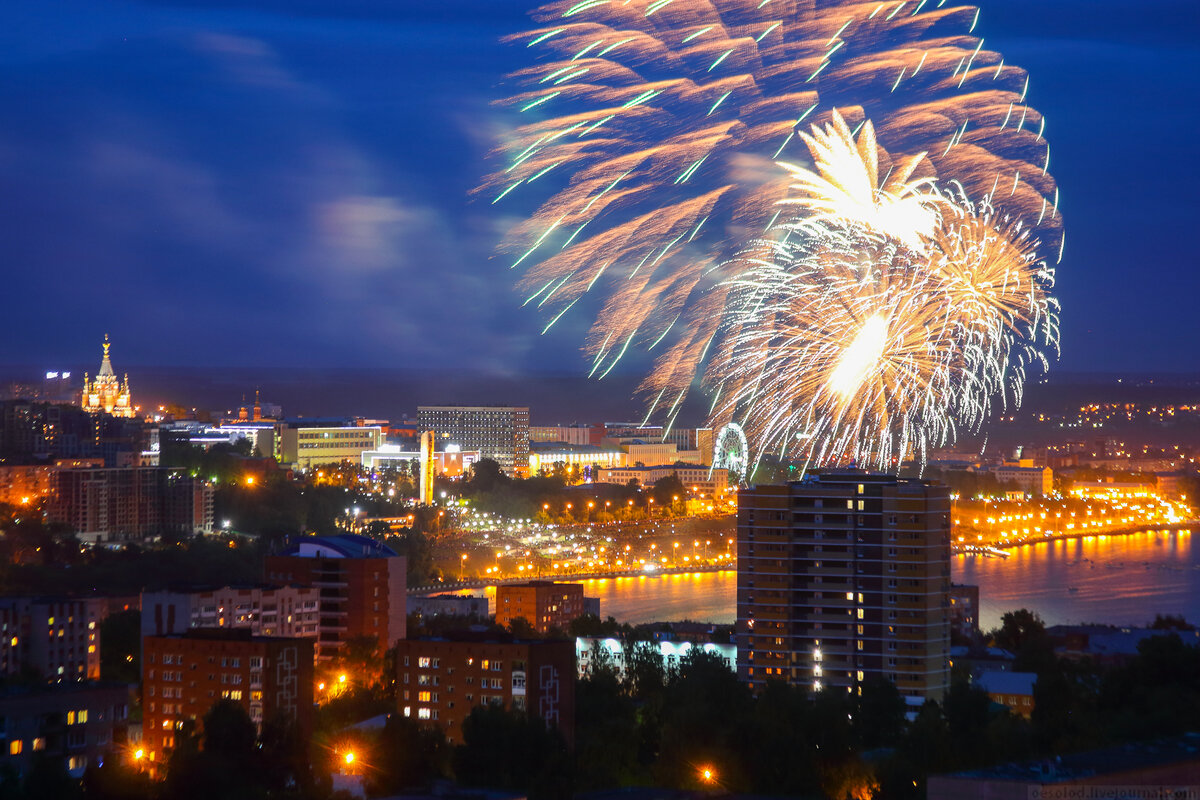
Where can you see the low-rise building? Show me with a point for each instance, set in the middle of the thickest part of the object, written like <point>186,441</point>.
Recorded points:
<point>56,637</point>
<point>1033,481</point>
<point>439,681</point>
<point>184,675</point>
<point>449,605</point>
<point>1162,768</point>
<point>545,455</point>
<point>308,445</point>
<point>694,477</point>
<point>1011,689</point>
<point>543,604</point>
<point>964,611</point>
<point>76,726</point>
<point>616,652</point>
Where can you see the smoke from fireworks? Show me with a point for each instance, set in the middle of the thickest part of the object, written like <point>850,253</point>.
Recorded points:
<point>864,307</point>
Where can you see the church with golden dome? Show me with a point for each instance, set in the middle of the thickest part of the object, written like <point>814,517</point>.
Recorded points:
<point>106,393</point>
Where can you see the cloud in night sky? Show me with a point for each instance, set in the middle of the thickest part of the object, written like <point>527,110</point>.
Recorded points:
<point>285,182</point>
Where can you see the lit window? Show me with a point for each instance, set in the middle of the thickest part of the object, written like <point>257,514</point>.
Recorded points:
<point>422,713</point>
<point>14,747</point>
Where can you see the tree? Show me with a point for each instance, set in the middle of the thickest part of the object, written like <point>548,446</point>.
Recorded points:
<point>666,489</point>
<point>879,715</point>
<point>511,750</point>
<point>1023,634</point>
<point>120,647</point>
<point>521,628</point>
<point>407,756</point>
<point>486,476</point>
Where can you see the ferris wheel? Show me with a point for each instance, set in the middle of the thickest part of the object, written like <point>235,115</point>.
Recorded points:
<point>731,452</point>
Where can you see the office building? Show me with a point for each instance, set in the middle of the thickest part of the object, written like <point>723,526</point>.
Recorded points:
<point>577,458</point>
<point>73,726</point>
<point>56,637</point>
<point>1032,480</point>
<point>580,435</point>
<point>262,610</point>
<point>500,433</point>
<point>115,505</point>
<point>362,587</point>
<point>184,675</point>
<point>694,477</point>
<point>439,681</point>
<point>312,443</point>
<point>543,604</point>
<point>845,577</point>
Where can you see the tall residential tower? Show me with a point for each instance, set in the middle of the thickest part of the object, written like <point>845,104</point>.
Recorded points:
<point>844,577</point>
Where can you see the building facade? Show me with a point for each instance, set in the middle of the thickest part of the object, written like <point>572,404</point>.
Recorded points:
<point>842,578</point>
<point>439,681</point>
<point>107,394</point>
<point>262,610</point>
<point>311,446</point>
<point>362,587</point>
<point>58,638</point>
<point>1034,481</point>
<point>500,433</point>
<point>964,611</point>
<point>74,726</point>
<point>114,505</point>
<point>694,477</point>
<point>184,675</point>
<point>543,604</point>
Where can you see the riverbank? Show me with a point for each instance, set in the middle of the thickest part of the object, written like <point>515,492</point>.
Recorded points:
<point>1012,544</point>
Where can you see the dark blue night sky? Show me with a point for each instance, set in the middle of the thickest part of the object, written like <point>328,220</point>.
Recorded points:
<point>285,183</point>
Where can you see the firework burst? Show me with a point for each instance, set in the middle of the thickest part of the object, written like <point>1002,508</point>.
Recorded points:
<point>864,307</point>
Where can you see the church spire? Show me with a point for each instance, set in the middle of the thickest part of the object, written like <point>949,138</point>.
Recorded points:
<point>106,365</point>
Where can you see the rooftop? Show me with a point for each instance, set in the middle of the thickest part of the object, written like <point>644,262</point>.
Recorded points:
<point>1111,760</point>
<point>343,545</point>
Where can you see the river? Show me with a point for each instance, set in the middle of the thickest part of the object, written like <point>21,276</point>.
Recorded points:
<point>1123,580</point>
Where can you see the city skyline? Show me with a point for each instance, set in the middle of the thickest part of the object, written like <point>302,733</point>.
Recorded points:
<point>269,172</point>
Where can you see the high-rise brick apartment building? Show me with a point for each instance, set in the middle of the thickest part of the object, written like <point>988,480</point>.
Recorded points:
<point>362,587</point>
<point>500,433</point>
<point>439,681</point>
<point>844,577</point>
<point>184,675</point>
<point>543,604</point>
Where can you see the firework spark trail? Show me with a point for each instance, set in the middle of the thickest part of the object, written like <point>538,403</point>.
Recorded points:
<point>651,131</point>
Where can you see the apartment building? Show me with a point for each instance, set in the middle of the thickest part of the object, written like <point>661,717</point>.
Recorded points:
<point>56,637</point>
<point>184,675</point>
<point>439,681</point>
<point>75,726</point>
<point>844,577</point>
<point>262,610</point>
<point>361,583</point>
<point>543,604</point>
